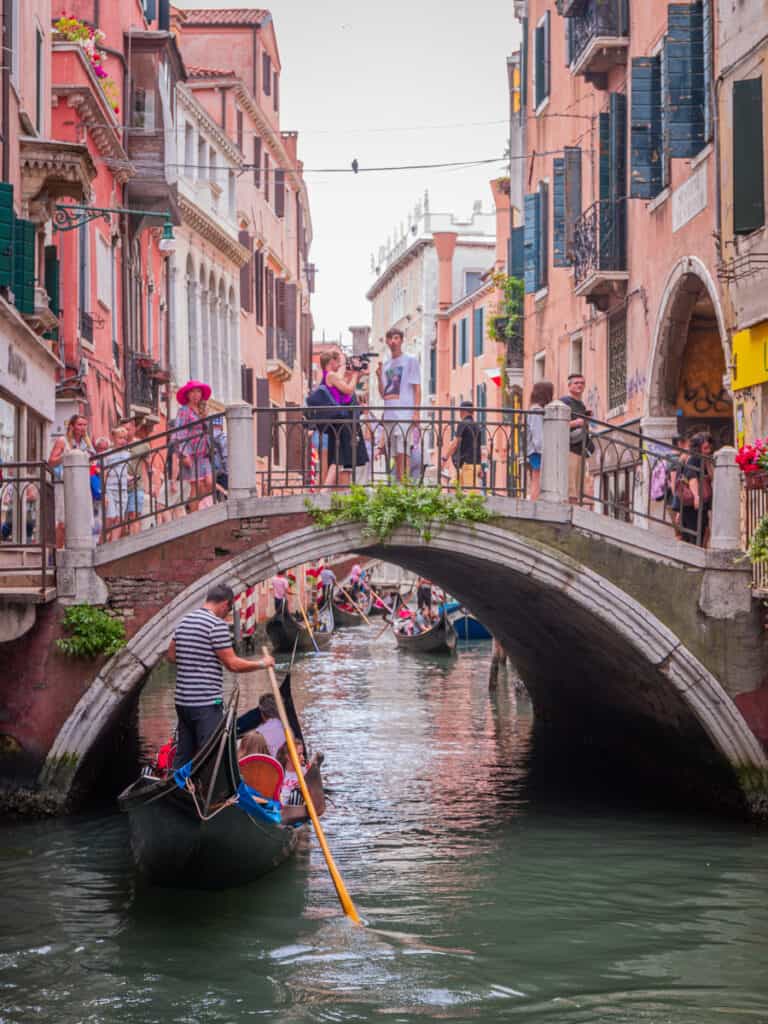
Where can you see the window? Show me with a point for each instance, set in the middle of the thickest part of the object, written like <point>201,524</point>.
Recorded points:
<point>575,356</point>
<point>541,67</point>
<point>144,109</point>
<point>15,48</point>
<point>473,279</point>
<point>539,367</point>
<point>189,150</point>
<point>39,71</point>
<point>266,178</point>
<point>280,192</point>
<point>566,204</point>
<point>463,341</point>
<point>478,330</point>
<point>239,128</point>
<point>257,162</point>
<point>246,280</point>
<point>258,271</point>
<point>683,57</point>
<point>266,74</point>
<point>103,271</point>
<point>617,360</point>
<point>202,159</point>
<point>748,159</point>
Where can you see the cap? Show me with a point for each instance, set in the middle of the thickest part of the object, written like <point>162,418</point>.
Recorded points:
<point>466,405</point>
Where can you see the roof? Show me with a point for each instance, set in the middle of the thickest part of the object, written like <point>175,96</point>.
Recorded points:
<point>194,71</point>
<point>227,16</point>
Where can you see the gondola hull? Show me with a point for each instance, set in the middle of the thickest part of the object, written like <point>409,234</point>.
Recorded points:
<point>285,632</point>
<point>440,639</point>
<point>344,617</point>
<point>469,628</point>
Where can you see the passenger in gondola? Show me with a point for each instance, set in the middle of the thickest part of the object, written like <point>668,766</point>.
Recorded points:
<point>420,622</point>
<point>252,743</point>
<point>271,727</point>
<point>354,579</point>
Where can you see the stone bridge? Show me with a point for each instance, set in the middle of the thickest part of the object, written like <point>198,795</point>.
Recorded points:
<point>646,651</point>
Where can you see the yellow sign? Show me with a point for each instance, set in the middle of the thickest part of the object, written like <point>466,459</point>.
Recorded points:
<point>750,356</point>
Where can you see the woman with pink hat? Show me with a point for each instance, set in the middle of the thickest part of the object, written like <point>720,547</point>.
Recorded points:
<point>193,441</point>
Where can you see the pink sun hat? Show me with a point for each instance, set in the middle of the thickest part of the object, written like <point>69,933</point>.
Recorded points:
<point>182,395</point>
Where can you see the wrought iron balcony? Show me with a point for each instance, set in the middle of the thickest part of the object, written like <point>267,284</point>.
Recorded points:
<point>143,381</point>
<point>86,326</point>
<point>599,251</point>
<point>598,38</point>
<point>512,341</point>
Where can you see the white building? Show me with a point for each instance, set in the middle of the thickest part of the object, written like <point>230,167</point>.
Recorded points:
<point>205,340</point>
<point>404,293</point>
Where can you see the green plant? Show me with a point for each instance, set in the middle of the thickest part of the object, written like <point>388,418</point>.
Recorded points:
<point>504,325</point>
<point>91,632</point>
<point>385,507</point>
<point>758,543</point>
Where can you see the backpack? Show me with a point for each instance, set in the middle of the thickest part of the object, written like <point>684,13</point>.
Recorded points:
<point>322,409</point>
<point>659,480</point>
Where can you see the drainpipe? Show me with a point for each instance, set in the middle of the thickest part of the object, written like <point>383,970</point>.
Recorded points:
<point>6,87</point>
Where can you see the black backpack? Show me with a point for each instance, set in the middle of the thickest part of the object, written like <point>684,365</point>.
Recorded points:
<point>321,408</point>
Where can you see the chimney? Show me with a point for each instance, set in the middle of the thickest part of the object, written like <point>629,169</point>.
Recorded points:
<point>500,190</point>
<point>360,339</point>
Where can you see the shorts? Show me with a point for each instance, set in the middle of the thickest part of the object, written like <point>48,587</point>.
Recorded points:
<point>534,461</point>
<point>135,503</point>
<point>398,437</point>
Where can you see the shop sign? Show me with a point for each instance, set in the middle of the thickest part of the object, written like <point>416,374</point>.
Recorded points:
<point>750,356</point>
<point>690,199</point>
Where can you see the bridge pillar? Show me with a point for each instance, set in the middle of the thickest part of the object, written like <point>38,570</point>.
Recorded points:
<point>241,455</point>
<point>76,579</point>
<point>556,448</point>
<point>726,502</point>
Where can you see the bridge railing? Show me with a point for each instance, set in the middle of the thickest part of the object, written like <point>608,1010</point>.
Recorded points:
<point>27,525</point>
<point>755,509</point>
<point>628,476</point>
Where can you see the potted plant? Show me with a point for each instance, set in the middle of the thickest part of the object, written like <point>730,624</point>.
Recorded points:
<point>752,460</point>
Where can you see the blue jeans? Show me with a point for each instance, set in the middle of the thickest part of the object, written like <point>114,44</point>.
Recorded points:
<point>196,725</point>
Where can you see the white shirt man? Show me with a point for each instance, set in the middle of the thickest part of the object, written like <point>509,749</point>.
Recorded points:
<point>400,387</point>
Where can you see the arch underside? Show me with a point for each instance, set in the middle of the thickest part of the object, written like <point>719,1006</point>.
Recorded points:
<point>603,673</point>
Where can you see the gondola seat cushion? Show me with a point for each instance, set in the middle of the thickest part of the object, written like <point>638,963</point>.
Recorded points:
<point>262,773</point>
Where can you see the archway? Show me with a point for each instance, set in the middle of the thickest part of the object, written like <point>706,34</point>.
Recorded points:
<point>601,669</point>
<point>690,357</point>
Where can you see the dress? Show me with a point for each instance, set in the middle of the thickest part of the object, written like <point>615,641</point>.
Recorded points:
<point>192,442</point>
<point>115,484</point>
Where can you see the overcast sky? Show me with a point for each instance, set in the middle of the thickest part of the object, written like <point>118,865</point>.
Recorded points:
<point>395,83</point>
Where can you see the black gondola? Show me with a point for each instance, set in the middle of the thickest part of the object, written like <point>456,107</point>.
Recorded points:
<point>438,639</point>
<point>197,837</point>
<point>345,615</point>
<point>285,631</point>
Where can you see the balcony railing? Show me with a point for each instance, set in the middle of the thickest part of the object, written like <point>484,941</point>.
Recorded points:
<point>599,242</point>
<point>143,381</point>
<point>27,527</point>
<point>601,22</point>
<point>755,507</point>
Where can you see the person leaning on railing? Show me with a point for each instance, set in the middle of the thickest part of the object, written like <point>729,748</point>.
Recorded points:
<point>193,443</point>
<point>580,440</point>
<point>695,490</point>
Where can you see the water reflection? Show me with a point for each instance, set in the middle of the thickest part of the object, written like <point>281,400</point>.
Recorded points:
<point>481,902</point>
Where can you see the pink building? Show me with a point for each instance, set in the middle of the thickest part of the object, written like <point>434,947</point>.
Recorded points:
<point>619,255</point>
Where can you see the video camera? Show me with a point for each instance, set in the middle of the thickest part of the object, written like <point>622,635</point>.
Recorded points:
<point>362,361</point>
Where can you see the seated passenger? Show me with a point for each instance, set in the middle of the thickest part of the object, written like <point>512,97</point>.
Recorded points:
<point>420,622</point>
<point>252,743</point>
<point>271,727</point>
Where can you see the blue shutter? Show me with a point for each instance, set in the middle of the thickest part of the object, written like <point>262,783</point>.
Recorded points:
<point>618,169</point>
<point>684,99</point>
<point>7,225</point>
<point>559,258</point>
<point>516,254</point>
<point>24,266</point>
<point>572,197</point>
<point>463,344</point>
<point>543,274</point>
<point>645,132</point>
<point>531,242</point>
<point>709,75</point>
<point>478,329</point>
<point>150,10</point>
<point>541,57</point>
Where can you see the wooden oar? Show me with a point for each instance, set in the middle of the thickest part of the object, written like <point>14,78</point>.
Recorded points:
<point>341,890</point>
<point>306,623</point>
<point>356,606</point>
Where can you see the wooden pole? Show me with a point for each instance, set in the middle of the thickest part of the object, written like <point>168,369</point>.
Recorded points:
<point>341,890</point>
<point>306,623</point>
<point>356,606</point>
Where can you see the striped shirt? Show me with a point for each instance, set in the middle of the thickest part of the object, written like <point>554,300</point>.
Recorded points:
<point>199,673</point>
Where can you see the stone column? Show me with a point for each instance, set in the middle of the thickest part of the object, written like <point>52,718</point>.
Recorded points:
<point>241,455</point>
<point>726,502</point>
<point>554,458</point>
<point>76,578</point>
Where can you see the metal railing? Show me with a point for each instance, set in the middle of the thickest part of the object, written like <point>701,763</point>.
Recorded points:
<point>86,326</point>
<point>27,523</point>
<point>599,239</point>
<point>755,508</point>
<point>628,476</point>
<point>598,19</point>
<point>143,387</point>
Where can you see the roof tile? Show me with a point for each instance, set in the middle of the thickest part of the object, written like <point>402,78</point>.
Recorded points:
<point>226,16</point>
<point>194,71</point>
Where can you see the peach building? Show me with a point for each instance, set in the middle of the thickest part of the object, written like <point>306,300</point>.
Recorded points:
<point>620,211</point>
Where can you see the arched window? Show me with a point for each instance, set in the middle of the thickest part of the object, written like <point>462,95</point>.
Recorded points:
<point>193,337</point>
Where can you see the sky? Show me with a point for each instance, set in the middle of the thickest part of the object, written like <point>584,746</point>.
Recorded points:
<point>387,84</point>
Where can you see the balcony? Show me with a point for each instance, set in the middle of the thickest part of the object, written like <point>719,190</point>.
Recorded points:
<point>570,8</point>
<point>143,380</point>
<point>281,354</point>
<point>86,326</point>
<point>599,250</point>
<point>599,39</point>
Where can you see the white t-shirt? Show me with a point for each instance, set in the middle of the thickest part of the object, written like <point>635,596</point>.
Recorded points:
<point>401,378</point>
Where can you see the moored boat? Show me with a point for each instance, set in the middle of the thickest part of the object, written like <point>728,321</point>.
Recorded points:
<point>466,625</point>
<point>286,631</point>
<point>438,639</point>
<point>202,828</point>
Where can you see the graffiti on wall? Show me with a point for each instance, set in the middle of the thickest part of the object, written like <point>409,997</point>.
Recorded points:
<point>636,384</point>
<point>705,401</point>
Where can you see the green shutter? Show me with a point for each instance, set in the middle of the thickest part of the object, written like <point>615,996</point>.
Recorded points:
<point>540,56</point>
<point>618,162</point>
<point>24,266</point>
<point>516,254</point>
<point>645,131</point>
<point>52,278</point>
<point>543,275</point>
<point>684,98</point>
<point>7,224</point>
<point>748,159</point>
<point>604,160</point>
<point>478,329</point>
<point>559,258</point>
<point>531,242</point>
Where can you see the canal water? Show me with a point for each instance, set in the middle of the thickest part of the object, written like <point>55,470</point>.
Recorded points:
<point>483,901</point>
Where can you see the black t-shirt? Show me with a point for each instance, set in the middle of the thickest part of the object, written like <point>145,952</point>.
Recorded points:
<point>578,411</point>
<point>468,433</point>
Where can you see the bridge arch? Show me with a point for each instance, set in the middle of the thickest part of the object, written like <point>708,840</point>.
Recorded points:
<point>599,666</point>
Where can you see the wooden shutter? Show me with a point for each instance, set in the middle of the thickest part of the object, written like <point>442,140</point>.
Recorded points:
<point>543,272</point>
<point>280,192</point>
<point>709,73</point>
<point>291,302</point>
<point>263,419</point>
<point>52,278</point>
<point>572,197</point>
<point>559,258</point>
<point>604,161</point>
<point>453,347</point>
<point>246,383</point>
<point>239,129</point>
<point>748,158</point>
<point>276,90</point>
<point>266,74</point>
<point>684,100</point>
<point>478,331</point>
<point>258,271</point>
<point>7,226</point>
<point>516,253</point>
<point>539,66</point>
<point>257,162</point>
<point>531,242</point>
<point>25,237</point>
<point>568,41</point>
<point>547,45</point>
<point>267,182</point>
<point>645,128</point>
<point>246,274</point>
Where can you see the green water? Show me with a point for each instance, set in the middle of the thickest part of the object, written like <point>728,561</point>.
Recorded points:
<point>483,902</point>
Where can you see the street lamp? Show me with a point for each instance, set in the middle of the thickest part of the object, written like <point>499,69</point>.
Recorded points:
<point>167,242</point>
<point>68,216</point>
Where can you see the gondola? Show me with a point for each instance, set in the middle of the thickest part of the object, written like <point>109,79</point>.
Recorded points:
<point>285,631</point>
<point>466,625</point>
<point>345,615</point>
<point>174,847</point>
<point>438,639</point>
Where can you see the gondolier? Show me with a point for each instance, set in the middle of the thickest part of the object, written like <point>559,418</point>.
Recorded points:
<point>201,648</point>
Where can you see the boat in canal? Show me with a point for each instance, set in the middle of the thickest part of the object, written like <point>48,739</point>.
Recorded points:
<point>204,826</point>
<point>466,625</point>
<point>343,612</point>
<point>438,639</point>
<point>286,631</point>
